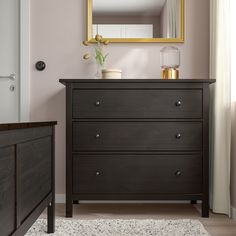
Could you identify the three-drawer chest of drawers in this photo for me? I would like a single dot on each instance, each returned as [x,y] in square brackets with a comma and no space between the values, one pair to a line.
[137,139]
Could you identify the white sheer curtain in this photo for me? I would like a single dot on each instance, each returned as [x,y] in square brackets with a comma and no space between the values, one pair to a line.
[173,18]
[233,97]
[221,106]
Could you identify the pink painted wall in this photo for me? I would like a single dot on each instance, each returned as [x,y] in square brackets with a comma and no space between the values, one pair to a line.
[58,28]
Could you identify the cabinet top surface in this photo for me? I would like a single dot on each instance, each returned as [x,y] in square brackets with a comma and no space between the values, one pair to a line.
[67,81]
[26,125]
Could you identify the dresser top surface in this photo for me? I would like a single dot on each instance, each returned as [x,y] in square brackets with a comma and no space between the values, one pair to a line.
[25,125]
[65,81]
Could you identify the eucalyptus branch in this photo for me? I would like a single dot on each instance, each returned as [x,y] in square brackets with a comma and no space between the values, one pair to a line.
[100,57]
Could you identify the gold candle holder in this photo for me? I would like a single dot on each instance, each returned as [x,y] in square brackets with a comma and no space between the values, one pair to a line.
[170,73]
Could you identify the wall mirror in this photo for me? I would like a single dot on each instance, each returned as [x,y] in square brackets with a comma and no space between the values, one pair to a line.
[136,20]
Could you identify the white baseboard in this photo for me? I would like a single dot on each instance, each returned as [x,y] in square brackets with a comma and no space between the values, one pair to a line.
[233,213]
[60,198]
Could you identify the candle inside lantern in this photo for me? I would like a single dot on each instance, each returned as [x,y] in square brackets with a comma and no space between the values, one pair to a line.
[170,62]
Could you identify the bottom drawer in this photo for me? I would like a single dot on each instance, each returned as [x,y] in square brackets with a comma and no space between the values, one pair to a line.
[137,174]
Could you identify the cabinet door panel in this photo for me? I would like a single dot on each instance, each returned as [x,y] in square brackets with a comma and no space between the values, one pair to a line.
[35,172]
[7,190]
[139,31]
[110,31]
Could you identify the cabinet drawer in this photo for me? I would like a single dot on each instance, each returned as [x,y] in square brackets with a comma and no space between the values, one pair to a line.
[137,174]
[137,103]
[139,136]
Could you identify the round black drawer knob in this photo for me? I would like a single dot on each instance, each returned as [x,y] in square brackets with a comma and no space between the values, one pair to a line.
[178,104]
[178,173]
[178,136]
[40,65]
[97,173]
[97,136]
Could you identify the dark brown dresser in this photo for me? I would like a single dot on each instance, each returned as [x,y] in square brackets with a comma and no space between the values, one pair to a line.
[27,176]
[137,139]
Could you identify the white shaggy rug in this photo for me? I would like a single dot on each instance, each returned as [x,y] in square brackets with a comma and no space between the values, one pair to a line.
[101,227]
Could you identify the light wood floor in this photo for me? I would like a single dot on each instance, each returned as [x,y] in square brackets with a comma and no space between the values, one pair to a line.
[216,225]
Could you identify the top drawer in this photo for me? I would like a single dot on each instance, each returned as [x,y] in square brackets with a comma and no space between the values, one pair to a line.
[137,103]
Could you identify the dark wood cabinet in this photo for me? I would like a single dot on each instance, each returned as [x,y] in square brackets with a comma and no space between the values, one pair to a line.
[137,140]
[27,184]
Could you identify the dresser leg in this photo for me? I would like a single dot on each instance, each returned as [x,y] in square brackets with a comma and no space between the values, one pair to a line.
[51,217]
[193,202]
[205,208]
[69,207]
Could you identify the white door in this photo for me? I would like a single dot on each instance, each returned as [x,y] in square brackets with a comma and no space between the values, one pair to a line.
[9,61]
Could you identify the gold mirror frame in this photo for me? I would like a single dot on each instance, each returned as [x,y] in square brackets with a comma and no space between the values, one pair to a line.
[136,40]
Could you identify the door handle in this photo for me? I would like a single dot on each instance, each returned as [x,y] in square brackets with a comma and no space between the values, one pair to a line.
[11,77]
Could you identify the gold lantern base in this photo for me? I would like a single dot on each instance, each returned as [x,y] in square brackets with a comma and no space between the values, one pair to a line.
[170,73]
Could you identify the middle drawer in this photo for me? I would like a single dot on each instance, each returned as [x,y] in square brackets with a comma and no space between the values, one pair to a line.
[137,136]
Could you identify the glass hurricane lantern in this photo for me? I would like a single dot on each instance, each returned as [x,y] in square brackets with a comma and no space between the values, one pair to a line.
[170,62]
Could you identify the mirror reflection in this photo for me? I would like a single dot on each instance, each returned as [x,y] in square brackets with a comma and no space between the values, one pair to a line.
[137,18]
